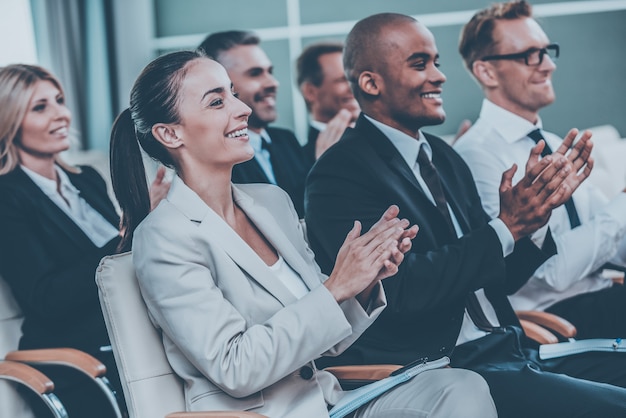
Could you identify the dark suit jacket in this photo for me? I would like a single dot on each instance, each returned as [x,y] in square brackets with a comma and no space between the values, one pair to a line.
[309,147]
[289,165]
[358,178]
[50,263]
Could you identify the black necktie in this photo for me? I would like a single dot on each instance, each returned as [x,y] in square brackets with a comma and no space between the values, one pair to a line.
[433,181]
[266,145]
[572,214]
[429,174]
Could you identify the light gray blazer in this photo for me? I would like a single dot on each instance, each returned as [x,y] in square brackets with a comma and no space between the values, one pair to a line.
[231,330]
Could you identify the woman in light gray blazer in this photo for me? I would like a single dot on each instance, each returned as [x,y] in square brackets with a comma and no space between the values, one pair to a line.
[225,270]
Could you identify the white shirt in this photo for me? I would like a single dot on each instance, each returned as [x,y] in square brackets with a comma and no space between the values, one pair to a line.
[409,148]
[262,156]
[89,220]
[289,277]
[320,126]
[496,141]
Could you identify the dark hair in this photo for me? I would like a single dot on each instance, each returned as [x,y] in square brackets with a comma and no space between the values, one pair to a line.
[477,34]
[153,99]
[308,66]
[365,45]
[215,43]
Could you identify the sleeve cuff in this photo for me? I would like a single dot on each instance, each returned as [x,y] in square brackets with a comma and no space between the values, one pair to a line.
[616,209]
[505,236]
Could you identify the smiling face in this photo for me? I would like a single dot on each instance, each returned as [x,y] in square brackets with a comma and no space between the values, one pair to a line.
[44,131]
[213,125]
[409,81]
[517,87]
[334,93]
[252,74]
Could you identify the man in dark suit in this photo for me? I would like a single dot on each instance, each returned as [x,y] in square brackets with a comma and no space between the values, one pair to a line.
[278,155]
[450,291]
[327,94]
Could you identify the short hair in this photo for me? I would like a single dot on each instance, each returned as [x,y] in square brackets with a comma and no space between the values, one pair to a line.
[308,68]
[218,42]
[17,85]
[363,44]
[477,35]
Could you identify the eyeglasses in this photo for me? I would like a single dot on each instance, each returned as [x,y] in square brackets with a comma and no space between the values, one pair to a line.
[532,56]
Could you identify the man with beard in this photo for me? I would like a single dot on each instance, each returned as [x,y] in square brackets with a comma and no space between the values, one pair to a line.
[326,92]
[449,295]
[278,156]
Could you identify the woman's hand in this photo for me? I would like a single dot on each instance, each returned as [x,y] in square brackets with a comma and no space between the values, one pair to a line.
[363,260]
[158,188]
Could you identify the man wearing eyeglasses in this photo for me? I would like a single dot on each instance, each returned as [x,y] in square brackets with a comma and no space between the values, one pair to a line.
[513,60]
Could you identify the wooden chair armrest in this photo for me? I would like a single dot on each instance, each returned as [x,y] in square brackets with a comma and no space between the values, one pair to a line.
[68,357]
[550,321]
[224,414]
[538,333]
[615,275]
[363,373]
[26,375]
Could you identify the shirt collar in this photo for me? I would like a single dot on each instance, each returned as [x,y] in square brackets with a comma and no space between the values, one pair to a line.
[255,139]
[509,125]
[406,145]
[48,186]
[320,126]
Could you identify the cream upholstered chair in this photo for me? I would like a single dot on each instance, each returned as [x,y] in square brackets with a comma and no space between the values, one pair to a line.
[11,404]
[151,388]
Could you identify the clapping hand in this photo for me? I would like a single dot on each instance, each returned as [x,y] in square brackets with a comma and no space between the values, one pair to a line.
[363,260]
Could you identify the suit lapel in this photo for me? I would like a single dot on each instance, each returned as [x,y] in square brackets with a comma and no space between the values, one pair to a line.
[394,161]
[221,235]
[98,201]
[387,152]
[249,172]
[53,213]
[273,232]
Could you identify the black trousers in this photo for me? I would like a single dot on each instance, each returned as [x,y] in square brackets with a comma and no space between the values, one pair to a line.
[600,314]
[522,385]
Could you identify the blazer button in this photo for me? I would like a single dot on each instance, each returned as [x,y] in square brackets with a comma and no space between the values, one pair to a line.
[306,372]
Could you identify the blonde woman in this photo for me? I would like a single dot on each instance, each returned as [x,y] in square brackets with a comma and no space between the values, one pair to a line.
[57,222]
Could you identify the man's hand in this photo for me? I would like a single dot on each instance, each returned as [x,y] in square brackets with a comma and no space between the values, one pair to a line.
[527,206]
[158,188]
[579,157]
[334,129]
[463,127]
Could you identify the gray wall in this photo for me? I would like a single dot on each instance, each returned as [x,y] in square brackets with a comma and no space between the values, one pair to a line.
[589,81]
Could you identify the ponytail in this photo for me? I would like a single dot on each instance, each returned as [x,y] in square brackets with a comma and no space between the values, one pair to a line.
[153,99]
[128,176]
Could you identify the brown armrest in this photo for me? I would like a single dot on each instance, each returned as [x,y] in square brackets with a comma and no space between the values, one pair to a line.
[224,414]
[69,357]
[368,372]
[550,321]
[538,333]
[615,275]
[26,375]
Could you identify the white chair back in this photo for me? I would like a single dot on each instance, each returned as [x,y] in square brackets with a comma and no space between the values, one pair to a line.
[150,386]
[11,318]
